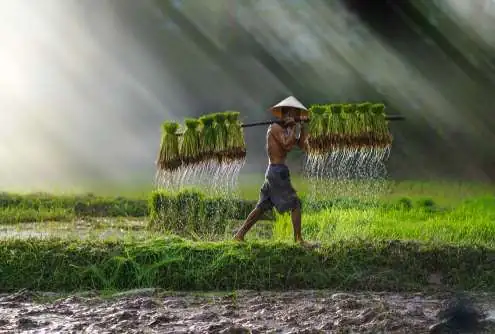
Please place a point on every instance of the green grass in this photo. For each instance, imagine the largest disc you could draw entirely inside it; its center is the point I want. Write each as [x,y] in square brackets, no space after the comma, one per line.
[392,241]
[471,222]
[40,207]
[174,264]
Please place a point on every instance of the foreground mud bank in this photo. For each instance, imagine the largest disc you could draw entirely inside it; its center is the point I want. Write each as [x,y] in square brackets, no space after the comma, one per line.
[150,311]
[179,265]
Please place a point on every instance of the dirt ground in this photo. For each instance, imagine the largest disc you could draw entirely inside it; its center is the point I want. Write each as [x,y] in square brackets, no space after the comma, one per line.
[151,311]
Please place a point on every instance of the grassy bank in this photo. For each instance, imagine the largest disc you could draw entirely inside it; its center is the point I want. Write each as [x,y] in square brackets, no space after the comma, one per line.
[58,265]
[471,222]
[39,207]
[445,230]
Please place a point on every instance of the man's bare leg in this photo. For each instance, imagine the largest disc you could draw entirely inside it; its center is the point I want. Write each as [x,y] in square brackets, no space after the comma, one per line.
[296,224]
[251,219]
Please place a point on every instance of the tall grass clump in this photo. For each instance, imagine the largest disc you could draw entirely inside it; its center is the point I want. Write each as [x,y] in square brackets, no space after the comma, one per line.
[190,212]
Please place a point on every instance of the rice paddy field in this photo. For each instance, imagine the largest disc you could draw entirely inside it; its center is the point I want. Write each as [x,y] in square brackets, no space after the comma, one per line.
[162,258]
[409,243]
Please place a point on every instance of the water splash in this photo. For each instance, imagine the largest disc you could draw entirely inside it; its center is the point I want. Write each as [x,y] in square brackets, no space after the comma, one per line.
[212,177]
[347,172]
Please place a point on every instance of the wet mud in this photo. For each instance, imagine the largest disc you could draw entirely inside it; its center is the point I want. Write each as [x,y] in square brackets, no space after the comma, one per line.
[152,311]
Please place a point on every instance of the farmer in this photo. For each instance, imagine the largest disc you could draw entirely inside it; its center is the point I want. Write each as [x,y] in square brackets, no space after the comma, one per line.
[277,190]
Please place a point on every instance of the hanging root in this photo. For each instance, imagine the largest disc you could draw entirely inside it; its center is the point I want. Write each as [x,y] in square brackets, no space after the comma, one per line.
[347,142]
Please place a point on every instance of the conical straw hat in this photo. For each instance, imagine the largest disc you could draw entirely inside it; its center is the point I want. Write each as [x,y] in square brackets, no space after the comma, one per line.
[292,102]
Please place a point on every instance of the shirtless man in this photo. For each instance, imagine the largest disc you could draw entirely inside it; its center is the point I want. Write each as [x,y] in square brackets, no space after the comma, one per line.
[277,190]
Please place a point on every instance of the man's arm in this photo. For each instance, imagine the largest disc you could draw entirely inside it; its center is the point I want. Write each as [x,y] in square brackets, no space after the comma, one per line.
[287,141]
[303,139]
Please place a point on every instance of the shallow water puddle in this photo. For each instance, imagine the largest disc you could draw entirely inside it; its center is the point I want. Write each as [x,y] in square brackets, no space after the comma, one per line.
[96,228]
[150,311]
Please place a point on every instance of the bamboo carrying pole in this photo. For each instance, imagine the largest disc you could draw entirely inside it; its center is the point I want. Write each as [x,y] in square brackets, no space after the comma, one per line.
[249,125]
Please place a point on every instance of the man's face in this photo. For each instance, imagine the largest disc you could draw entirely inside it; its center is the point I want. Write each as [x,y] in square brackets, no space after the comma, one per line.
[290,113]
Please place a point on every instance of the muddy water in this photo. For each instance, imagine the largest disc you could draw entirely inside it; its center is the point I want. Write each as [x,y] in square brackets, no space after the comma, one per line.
[150,311]
[109,228]
[96,228]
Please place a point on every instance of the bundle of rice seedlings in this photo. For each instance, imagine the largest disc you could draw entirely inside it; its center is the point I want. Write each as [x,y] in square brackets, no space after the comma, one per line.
[351,125]
[383,135]
[317,130]
[335,128]
[169,158]
[367,135]
[208,137]
[221,133]
[236,146]
[190,149]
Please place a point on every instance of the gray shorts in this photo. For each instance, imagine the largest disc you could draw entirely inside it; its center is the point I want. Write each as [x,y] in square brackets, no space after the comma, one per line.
[277,190]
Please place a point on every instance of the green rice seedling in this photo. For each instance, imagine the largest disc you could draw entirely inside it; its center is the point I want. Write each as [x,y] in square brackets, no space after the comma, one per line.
[208,137]
[383,135]
[368,131]
[190,144]
[221,136]
[336,123]
[352,127]
[169,158]
[236,144]
[317,138]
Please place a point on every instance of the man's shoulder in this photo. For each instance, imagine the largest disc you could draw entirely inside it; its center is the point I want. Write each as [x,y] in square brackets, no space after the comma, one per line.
[275,127]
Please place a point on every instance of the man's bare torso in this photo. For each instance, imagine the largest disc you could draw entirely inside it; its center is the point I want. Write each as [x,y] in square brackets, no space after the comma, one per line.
[276,153]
